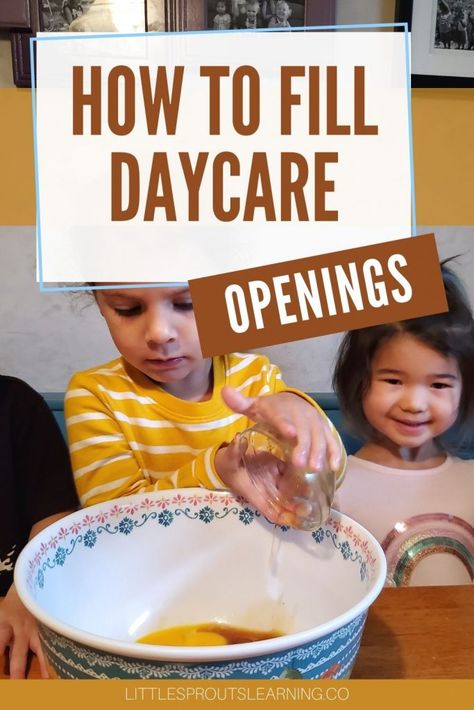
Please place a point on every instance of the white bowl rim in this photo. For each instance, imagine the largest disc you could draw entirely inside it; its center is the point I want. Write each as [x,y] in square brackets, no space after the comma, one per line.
[195,654]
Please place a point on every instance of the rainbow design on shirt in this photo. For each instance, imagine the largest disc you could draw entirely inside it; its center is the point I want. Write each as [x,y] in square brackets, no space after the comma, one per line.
[414,539]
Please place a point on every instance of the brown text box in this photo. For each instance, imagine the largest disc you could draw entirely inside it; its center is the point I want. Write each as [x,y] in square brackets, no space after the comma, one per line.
[293,300]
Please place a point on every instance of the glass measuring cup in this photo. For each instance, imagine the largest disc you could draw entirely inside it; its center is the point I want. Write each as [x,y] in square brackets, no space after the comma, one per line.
[301,498]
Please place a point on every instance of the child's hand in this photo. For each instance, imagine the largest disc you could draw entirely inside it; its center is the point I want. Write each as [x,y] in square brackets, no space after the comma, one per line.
[18,630]
[229,466]
[296,421]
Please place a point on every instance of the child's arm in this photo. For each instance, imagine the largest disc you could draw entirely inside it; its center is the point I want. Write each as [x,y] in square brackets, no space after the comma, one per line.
[18,628]
[107,462]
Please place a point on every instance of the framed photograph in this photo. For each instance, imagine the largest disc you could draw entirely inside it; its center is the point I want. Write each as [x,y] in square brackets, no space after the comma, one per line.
[32,16]
[75,16]
[442,41]
[254,14]
[233,14]
[100,15]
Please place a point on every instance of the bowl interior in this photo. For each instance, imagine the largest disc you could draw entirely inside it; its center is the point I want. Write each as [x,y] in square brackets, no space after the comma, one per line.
[123,569]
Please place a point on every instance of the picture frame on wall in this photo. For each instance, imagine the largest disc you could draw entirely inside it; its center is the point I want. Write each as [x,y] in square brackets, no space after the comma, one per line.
[254,14]
[138,16]
[181,15]
[442,41]
[77,16]
[244,14]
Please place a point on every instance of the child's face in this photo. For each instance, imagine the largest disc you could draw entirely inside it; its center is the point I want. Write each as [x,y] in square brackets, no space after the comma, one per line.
[220,8]
[414,392]
[252,11]
[155,331]
[282,11]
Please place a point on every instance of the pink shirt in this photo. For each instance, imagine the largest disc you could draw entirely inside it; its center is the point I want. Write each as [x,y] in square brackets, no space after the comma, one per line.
[423,519]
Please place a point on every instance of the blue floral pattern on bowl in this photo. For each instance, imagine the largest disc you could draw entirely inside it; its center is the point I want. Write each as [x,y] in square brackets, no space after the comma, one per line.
[124,519]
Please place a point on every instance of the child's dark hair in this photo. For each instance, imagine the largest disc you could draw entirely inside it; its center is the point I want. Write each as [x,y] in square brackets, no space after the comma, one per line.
[450,333]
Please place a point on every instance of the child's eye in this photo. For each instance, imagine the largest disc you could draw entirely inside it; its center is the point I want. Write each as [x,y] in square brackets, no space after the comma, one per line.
[127,312]
[440,385]
[184,306]
[392,381]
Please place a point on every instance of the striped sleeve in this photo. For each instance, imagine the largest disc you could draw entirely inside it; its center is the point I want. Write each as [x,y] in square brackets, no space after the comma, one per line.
[104,463]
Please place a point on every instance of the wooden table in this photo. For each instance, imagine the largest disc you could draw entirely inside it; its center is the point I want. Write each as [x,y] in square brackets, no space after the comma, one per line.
[411,632]
[419,632]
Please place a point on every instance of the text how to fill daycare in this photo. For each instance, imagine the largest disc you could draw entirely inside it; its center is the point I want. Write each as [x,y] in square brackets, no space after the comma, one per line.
[159,92]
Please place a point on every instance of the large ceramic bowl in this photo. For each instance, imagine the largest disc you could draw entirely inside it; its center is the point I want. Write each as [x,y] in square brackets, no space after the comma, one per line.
[104,576]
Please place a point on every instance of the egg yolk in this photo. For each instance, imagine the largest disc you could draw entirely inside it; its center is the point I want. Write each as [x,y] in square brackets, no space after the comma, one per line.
[214,634]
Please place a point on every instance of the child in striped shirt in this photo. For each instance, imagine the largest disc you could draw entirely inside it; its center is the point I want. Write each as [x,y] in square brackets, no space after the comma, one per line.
[162,416]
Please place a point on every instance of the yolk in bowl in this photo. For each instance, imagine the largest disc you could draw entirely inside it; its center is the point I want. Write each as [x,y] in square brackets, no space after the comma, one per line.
[213,634]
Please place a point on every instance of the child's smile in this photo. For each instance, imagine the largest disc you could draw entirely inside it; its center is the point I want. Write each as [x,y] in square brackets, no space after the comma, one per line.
[409,427]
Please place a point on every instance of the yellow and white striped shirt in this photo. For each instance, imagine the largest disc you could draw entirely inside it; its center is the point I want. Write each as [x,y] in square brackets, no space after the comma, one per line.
[127,435]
